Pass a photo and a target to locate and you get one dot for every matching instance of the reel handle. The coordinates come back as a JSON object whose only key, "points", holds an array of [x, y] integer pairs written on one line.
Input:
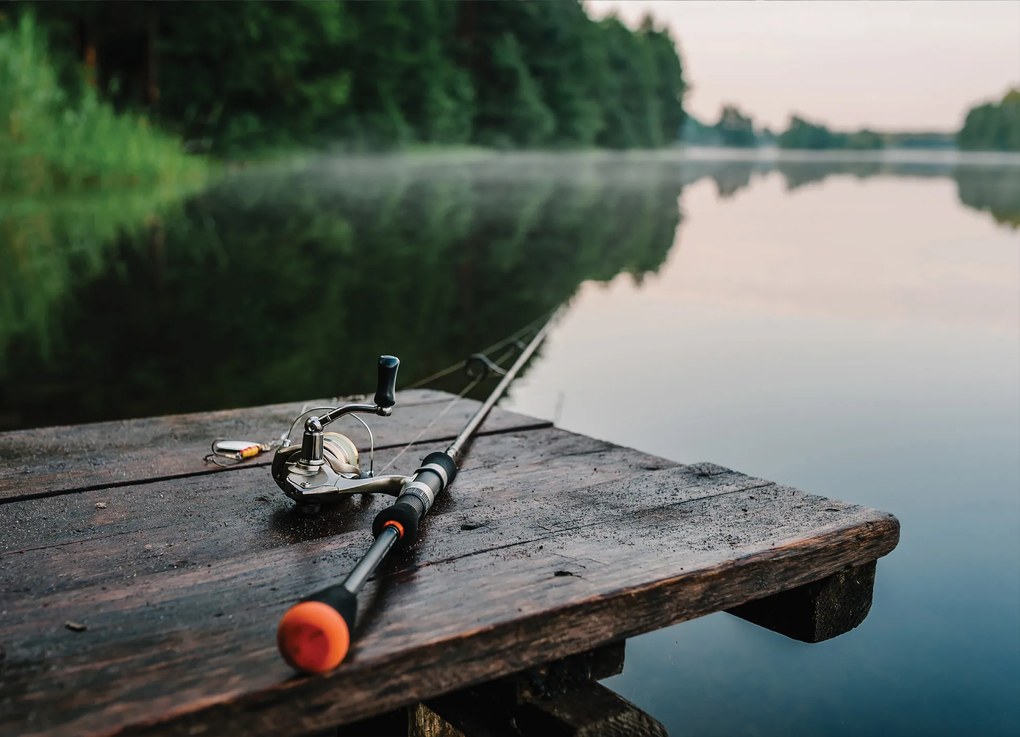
{"points": [[386, 391]]}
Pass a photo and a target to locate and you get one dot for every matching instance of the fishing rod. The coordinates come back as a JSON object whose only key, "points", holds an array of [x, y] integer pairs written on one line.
{"points": [[314, 635]]}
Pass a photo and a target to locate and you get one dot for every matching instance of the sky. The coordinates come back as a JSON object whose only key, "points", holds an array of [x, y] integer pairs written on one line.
{"points": [[884, 65]]}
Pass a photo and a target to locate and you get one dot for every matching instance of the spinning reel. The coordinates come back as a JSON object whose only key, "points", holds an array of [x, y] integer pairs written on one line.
{"points": [[325, 467], [315, 634]]}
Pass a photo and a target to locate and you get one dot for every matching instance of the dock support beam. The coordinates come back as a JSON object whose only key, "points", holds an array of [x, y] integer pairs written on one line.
{"points": [[816, 611], [563, 698], [557, 699]]}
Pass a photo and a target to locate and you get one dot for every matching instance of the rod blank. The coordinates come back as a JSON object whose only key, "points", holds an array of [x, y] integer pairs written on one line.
{"points": [[314, 635]]}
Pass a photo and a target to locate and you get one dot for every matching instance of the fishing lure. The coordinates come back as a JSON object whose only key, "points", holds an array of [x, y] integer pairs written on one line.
{"points": [[236, 450]]}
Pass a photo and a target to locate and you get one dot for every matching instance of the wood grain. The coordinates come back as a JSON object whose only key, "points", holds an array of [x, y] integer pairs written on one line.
{"points": [[556, 698], [817, 611], [58, 460], [588, 710], [204, 637], [67, 542], [548, 544]]}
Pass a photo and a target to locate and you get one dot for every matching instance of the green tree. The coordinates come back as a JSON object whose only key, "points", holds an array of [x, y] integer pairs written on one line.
{"points": [[561, 69], [52, 141], [406, 85], [237, 76], [735, 128], [247, 75], [512, 110], [565, 61], [801, 134], [863, 140], [993, 126], [251, 75], [629, 103], [670, 84]]}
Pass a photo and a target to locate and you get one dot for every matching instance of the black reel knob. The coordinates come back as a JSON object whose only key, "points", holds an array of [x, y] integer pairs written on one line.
{"points": [[386, 391]]}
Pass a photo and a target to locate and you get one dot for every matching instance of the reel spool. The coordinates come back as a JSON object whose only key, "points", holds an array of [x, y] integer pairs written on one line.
{"points": [[341, 454], [338, 451], [326, 467]]}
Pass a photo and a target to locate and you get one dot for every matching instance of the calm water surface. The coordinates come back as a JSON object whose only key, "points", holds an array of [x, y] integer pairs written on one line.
{"points": [[849, 327]]}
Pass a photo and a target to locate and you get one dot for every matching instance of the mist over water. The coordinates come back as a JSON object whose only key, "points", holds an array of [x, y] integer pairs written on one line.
{"points": [[856, 335], [848, 325]]}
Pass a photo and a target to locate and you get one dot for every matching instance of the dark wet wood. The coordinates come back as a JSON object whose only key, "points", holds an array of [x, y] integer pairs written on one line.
{"points": [[817, 611], [50, 461], [397, 723], [175, 525], [559, 698], [591, 710], [548, 544], [549, 680], [424, 722]]}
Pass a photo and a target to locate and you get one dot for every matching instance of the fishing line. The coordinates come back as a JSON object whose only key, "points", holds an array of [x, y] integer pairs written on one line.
{"points": [[227, 452], [489, 349], [314, 635], [449, 405]]}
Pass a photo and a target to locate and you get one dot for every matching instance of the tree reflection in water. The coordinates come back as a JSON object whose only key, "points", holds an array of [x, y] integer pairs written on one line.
{"points": [[283, 283]]}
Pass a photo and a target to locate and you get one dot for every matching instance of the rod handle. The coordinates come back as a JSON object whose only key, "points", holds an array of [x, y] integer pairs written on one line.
{"points": [[314, 635], [386, 391], [437, 471]]}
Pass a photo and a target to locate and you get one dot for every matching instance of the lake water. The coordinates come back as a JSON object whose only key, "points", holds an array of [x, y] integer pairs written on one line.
{"points": [[850, 326]]}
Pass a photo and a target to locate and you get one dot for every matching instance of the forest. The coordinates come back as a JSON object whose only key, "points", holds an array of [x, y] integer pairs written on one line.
{"points": [[112, 94], [242, 77], [737, 129], [993, 126]]}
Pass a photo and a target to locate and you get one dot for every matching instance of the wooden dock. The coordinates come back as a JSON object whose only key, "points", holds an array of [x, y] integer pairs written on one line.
{"points": [[140, 587]]}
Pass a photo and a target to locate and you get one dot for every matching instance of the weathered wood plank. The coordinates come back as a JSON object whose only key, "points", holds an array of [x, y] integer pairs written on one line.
{"points": [[556, 698], [560, 676], [543, 531], [397, 723], [819, 610], [58, 460], [588, 710], [426, 723], [64, 543], [623, 557]]}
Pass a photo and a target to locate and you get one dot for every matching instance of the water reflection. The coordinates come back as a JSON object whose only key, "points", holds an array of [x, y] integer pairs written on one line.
{"points": [[855, 340], [996, 191], [991, 189], [49, 248], [276, 284]]}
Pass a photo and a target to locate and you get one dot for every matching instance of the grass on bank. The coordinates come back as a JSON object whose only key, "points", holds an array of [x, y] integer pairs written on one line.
{"points": [[51, 142]]}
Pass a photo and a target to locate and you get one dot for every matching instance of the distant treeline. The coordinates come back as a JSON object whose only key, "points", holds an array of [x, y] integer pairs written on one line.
{"points": [[243, 76], [735, 128], [993, 126]]}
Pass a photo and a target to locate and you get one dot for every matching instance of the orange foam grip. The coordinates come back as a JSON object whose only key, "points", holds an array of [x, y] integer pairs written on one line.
{"points": [[313, 637]]}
